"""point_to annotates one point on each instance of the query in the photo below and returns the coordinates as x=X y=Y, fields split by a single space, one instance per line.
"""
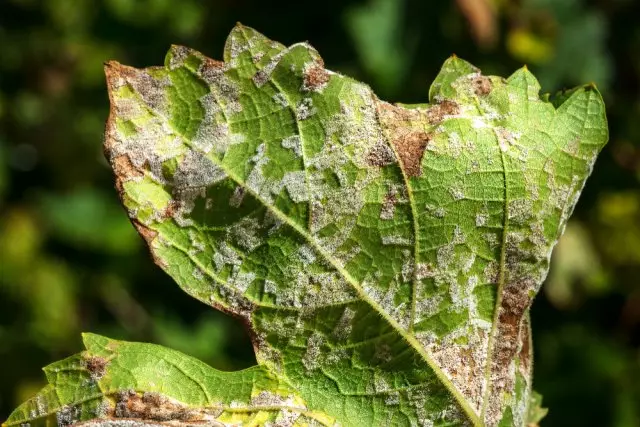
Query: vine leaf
x=384 y=256
x=116 y=379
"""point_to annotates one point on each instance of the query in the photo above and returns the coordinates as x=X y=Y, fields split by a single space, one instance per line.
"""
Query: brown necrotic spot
x=403 y=129
x=124 y=170
x=147 y=234
x=97 y=366
x=410 y=148
x=439 y=111
x=315 y=77
x=482 y=85
x=510 y=341
x=152 y=406
x=525 y=348
x=514 y=303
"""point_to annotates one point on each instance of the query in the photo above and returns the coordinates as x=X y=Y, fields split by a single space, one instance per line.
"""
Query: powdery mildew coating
x=384 y=256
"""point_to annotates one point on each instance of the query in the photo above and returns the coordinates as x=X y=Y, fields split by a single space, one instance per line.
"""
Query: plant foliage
x=383 y=256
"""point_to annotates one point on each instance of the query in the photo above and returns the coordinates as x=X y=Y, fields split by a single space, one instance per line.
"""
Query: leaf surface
x=112 y=380
x=384 y=256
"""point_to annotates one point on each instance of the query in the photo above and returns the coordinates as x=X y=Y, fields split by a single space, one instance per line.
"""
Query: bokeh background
x=71 y=262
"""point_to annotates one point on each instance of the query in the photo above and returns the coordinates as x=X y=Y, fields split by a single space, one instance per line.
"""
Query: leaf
x=536 y=411
x=117 y=379
x=383 y=256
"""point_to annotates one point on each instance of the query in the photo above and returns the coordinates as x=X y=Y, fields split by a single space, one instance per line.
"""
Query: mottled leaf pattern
x=112 y=380
x=384 y=256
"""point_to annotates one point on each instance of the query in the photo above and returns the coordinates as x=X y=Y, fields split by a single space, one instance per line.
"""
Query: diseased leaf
x=116 y=379
x=383 y=256
x=536 y=411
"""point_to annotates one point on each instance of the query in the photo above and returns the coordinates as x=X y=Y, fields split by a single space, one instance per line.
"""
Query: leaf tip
x=90 y=339
x=111 y=69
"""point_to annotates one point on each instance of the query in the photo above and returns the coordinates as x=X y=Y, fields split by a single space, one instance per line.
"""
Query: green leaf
x=116 y=379
x=535 y=412
x=383 y=256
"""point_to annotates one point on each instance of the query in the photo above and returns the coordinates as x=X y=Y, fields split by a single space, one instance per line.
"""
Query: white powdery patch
x=197 y=171
x=296 y=185
x=178 y=56
x=305 y=109
x=455 y=145
x=380 y=385
x=458 y=236
x=208 y=132
x=237 y=197
x=225 y=255
x=481 y=220
x=436 y=145
x=382 y=352
x=246 y=233
x=491 y=272
x=215 y=136
x=519 y=211
x=456 y=192
x=293 y=143
x=256 y=181
x=311 y=359
x=532 y=187
x=149 y=146
x=267 y=398
x=197 y=274
x=397 y=240
x=241 y=280
x=407 y=265
x=477 y=122
x=417 y=397
x=270 y=287
x=506 y=138
x=152 y=90
x=65 y=416
x=444 y=256
x=392 y=399
x=306 y=255
x=226 y=91
x=280 y=99
x=197 y=242
x=537 y=236
x=235 y=49
x=467 y=261
x=464 y=364
x=344 y=326
x=386 y=299
x=475 y=320
x=436 y=211
x=331 y=289
x=186 y=198
x=264 y=75
x=491 y=239
x=42 y=408
x=427 y=307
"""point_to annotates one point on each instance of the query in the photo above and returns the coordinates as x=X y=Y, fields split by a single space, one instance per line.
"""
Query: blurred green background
x=71 y=262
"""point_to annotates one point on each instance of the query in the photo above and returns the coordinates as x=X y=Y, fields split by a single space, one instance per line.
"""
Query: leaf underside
x=384 y=256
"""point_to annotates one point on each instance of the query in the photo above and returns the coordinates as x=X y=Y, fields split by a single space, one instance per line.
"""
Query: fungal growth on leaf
x=384 y=256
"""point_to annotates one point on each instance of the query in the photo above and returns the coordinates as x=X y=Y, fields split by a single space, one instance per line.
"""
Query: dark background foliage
x=71 y=262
